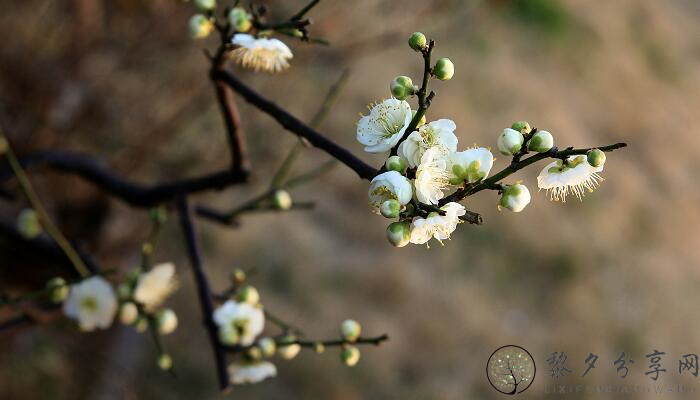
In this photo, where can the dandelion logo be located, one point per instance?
(511, 369)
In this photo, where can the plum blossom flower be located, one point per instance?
(432, 176)
(435, 225)
(435, 133)
(251, 371)
(389, 185)
(92, 302)
(154, 286)
(246, 320)
(260, 54)
(515, 197)
(384, 126)
(470, 165)
(573, 177)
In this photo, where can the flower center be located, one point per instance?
(88, 304)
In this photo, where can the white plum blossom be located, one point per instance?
(246, 319)
(510, 141)
(260, 54)
(384, 126)
(573, 177)
(436, 133)
(251, 371)
(389, 185)
(432, 176)
(154, 286)
(515, 197)
(435, 225)
(92, 302)
(471, 165)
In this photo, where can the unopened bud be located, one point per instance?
(239, 19)
(596, 158)
(350, 356)
(282, 200)
(390, 208)
(350, 330)
(205, 4)
(141, 325)
(255, 353)
(418, 41)
(238, 276)
(249, 294)
(124, 291)
(510, 142)
(200, 26)
(267, 346)
(399, 233)
(58, 289)
(128, 313)
(515, 197)
(165, 362)
(28, 224)
(444, 69)
(289, 351)
(396, 163)
(167, 321)
(541, 142)
(319, 347)
(521, 126)
(402, 87)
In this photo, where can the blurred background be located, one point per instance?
(617, 272)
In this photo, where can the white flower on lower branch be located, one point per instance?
(251, 371)
(239, 323)
(92, 302)
(154, 286)
(432, 177)
(576, 176)
(384, 126)
(435, 225)
(436, 133)
(260, 54)
(390, 185)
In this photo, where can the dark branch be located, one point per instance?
(339, 342)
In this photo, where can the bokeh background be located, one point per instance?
(121, 80)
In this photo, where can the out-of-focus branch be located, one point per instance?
(203, 290)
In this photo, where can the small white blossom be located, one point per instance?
(515, 197)
(432, 176)
(154, 286)
(437, 226)
(574, 177)
(251, 371)
(436, 133)
(245, 319)
(390, 185)
(92, 302)
(384, 126)
(510, 142)
(471, 165)
(260, 54)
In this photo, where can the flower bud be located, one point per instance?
(350, 330)
(402, 87)
(255, 353)
(200, 26)
(205, 4)
(267, 346)
(350, 356)
(541, 142)
(250, 295)
(165, 362)
(167, 321)
(521, 126)
(132, 277)
(444, 69)
(422, 121)
(239, 19)
(58, 289)
(515, 197)
(128, 313)
(596, 158)
(28, 224)
(319, 347)
(124, 291)
(288, 351)
(141, 325)
(399, 233)
(396, 163)
(418, 41)
(390, 208)
(282, 200)
(228, 336)
(238, 276)
(510, 142)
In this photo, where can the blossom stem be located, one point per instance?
(377, 340)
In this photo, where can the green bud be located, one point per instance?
(141, 325)
(396, 163)
(28, 224)
(58, 289)
(390, 208)
(521, 126)
(596, 157)
(418, 41)
(128, 313)
(444, 69)
(267, 346)
(249, 294)
(282, 200)
(289, 351)
(255, 353)
(350, 356)
(541, 142)
(399, 233)
(515, 197)
(165, 362)
(124, 291)
(238, 276)
(167, 321)
(228, 336)
(350, 330)
(319, 347)
(200, 26)
(132, 277)
(402, 87)
(239, 19)
(510, 142)
(422, 121)
(205, 4)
